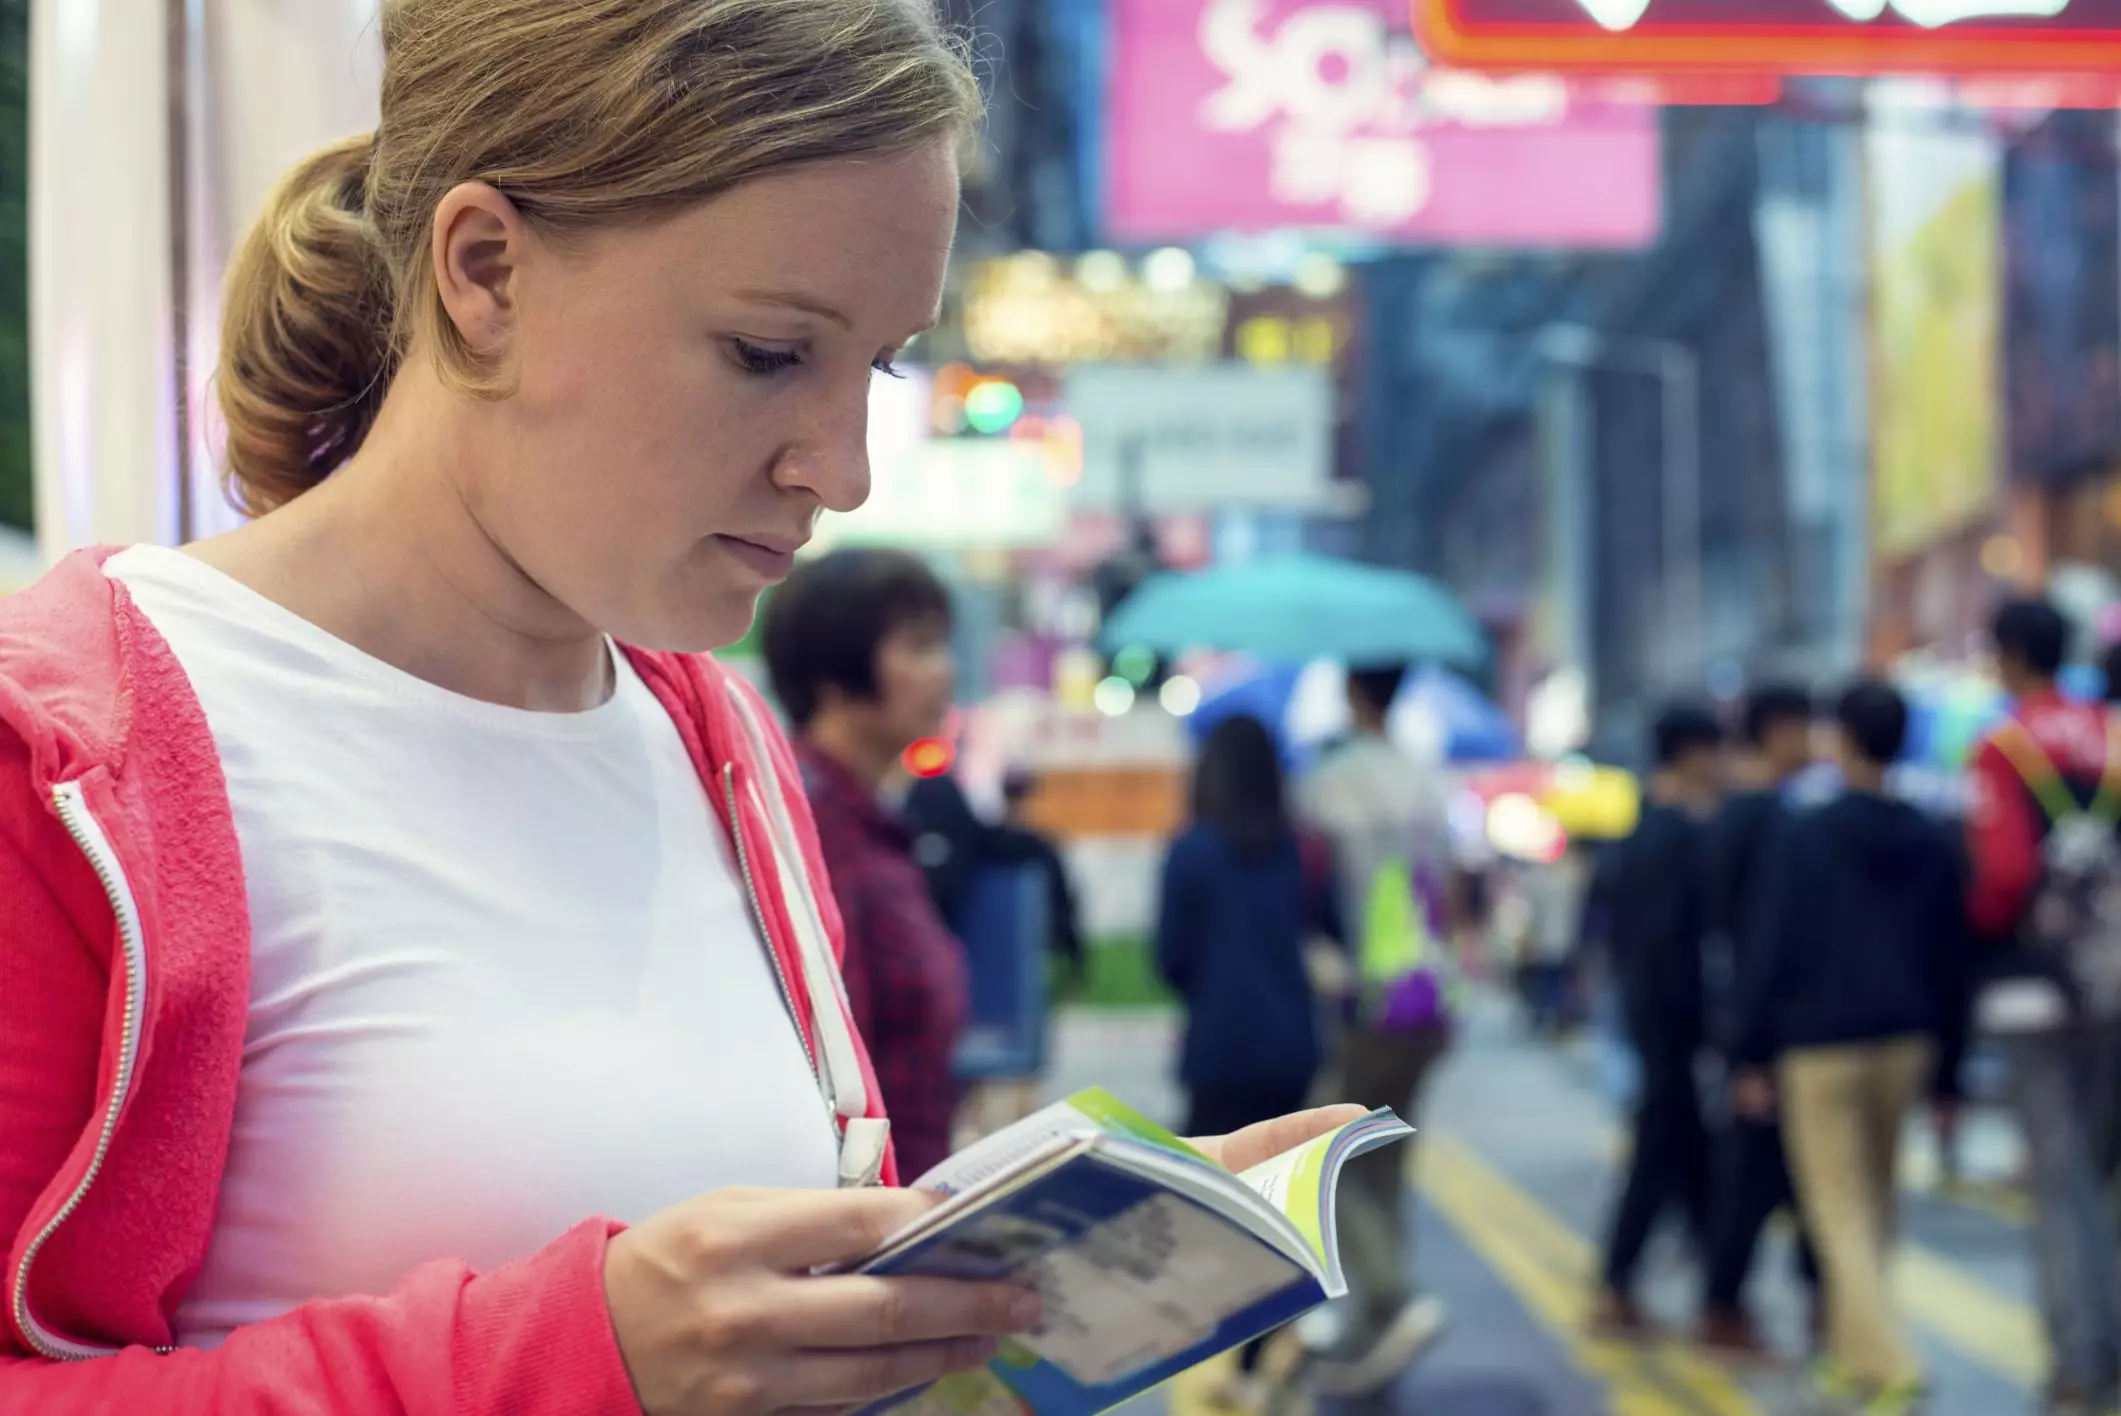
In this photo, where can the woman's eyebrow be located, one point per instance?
(794, 300)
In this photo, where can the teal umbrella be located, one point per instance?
(1296, 608)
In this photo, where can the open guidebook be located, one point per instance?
(1151, 1257)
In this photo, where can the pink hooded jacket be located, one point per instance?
(124, 986)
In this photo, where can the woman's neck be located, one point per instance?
(390, 555)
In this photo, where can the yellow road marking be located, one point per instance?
(1971, 1318)
(1551, 1269)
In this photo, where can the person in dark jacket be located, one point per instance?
(1018, 838)
(1653, 894)
(1856, 999)
(1236, 909)
(1752, 1176)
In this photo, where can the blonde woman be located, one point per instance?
(387, 892)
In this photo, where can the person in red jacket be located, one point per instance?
(2062, 1056)
(418, 979)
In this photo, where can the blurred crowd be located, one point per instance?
(1797, 970)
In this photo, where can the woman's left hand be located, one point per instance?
(1241, 1150)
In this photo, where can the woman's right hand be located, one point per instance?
(718, 1314)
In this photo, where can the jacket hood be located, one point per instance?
(1889, 840)
(62, 669)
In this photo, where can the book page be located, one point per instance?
(1303, 1182)
(1087, 1113)
(1294, 1182)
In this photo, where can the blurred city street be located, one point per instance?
(1514, 1169)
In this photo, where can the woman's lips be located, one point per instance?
(772, 562)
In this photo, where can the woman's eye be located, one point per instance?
(883, 365)
(759, 360)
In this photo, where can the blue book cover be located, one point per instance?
(1151, 1257)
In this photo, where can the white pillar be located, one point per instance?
(102, 385)
(267, 81)
(279, 79)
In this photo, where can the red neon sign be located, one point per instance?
(1774, 36)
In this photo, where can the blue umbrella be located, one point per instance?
(1298, 607)
(1474, 729)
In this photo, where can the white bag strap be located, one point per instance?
(838, 1058)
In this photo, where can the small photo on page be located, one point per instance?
(990, 1246)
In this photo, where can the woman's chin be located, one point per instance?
(700, 626)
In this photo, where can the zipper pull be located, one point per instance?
(862, 1152)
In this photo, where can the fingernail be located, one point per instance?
(1026, 1310)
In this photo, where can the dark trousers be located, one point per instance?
(1752, 1182)
(1669, 1169)
(1219, 1115)
(1380, 1067)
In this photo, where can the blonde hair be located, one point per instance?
(583, 113)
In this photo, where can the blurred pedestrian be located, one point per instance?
(1546, 903)
(949, 837)
(1233, 917)
(1654, 894)
(2046, 794)
(858, 647)
(1851, 1007)
(1751, 1177)
(1019, 838)
(1383, 816)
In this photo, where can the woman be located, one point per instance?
(858, 646)
(1236, 909)
(371, 921)
(1239, 901)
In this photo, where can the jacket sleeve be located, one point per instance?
(1951, 974)
(1765, 959)
(1722, 848)
(1177, 920)
(2003, 844)
(528, 1339)
(532, 1338)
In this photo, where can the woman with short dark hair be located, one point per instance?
(858, 647)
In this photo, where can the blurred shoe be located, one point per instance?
(1368, 1371)
(1616, 1317)
(1832, 1389)
(1899, 1399)
(1240, 1393)
(1731, 1335)
(2073, 1401)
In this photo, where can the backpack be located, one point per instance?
(1407, 984)
(2073, 923)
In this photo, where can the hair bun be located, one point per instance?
(305, 332)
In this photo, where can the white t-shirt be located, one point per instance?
(503, 974)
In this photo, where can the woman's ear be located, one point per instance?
(480, 241)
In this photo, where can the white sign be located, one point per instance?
(956, 493)
(1171, 440)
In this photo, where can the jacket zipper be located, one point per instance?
(758, 914)
(132, 952)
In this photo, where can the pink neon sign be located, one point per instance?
(1256, 114)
